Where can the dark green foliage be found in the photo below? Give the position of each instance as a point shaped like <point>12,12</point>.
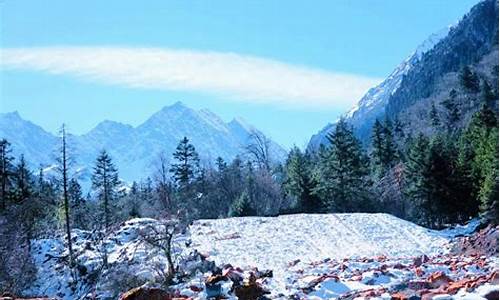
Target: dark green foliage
<point>469,80</point>
<point>242,207</point>
<point>451,108</point>
<point>342,173</point>
<point>78,206</point>
<point>488,95</point>
<point>186,164</point>
<point>105,182</point>
<point>6,172</point>
<point>417,180</point>
<point>434,116</point>
<point>384,150</point>
<point>481,160</point>
<point>299,182</point>
<point>22,181</point>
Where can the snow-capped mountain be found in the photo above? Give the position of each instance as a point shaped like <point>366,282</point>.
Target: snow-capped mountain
<point>134,149</point>
<point>372,105</point>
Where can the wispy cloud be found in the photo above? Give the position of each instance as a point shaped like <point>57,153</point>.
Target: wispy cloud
<point>237,77</point>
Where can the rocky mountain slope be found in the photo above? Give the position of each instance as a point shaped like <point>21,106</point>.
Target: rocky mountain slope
<point>134,149</point>
<point>427,72</point>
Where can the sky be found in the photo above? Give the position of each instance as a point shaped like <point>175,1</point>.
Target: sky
<point>286,67</point>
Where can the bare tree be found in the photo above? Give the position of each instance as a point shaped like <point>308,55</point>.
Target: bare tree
<point>160,236</point>
<point>258,149</point>
<point>162,181</point>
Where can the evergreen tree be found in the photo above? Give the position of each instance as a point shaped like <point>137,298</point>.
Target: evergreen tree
<point>187,164</point>
<point>451,107</point>
<point>417,182</point>
<point>482,134</point>
<point>299,181</point>
<point>434,117</point>
<point>342,177</point>
<point>77,205</point>
<point>64,163</point>
<point>242,207</point>
<point>398,128</point>
<point>469,80</point>
<point>487,158</point>
<point>390,150</point>
<point>377,154</point>
<point>384,150</point>
<point>487,93</point>
<point>6,171</point>
<point>105,182</point>
<point>23,185</point>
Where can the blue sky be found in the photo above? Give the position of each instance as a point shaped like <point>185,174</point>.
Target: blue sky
<point>287,67</point>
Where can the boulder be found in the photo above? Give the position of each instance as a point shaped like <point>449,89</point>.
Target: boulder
<point>146,293</point>
<point>250,290</point>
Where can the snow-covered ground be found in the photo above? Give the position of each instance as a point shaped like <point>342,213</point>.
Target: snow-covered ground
<point>274,242</point>
<point>317,256</point>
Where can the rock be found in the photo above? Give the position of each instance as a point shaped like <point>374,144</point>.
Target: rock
<point>146,293</point>
<point>418,285</point>
<point>250,290</point>
<point>437,279</point>
<point>484,242</point>
<point>492,295</point>
<point>419,260</point>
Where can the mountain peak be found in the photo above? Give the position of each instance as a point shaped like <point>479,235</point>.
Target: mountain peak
<point>177,105</point>
<point>11,115</point>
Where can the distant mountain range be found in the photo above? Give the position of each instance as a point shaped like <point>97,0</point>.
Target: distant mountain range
<point>424,73</point>
<point>134,149</point>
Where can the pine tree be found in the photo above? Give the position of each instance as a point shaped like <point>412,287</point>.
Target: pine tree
<point>451,107</point>
<point>384,150</point>
<point>487,93</point>
<point>342,182</point>
<point>482,134</point>
<point>299,181</point>
<point>417,183</point>
<point>242,207</point>
<point>105,182</point>
<point>133,202</point>
<point>398,128</point>
<point>434,117</point>
<point>187,164</point>
<point>469,80</point>
<point>23,185</point>
<point>390,149</point>
<point>64,162</point>
<point>6,171</point>
<point>77,204</point>
<point>377,154</point>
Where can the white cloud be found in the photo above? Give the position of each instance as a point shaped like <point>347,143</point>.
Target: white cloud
<point>237,77</point>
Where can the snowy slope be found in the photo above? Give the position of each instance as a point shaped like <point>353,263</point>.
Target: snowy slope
<point>134,149</point>
<point>274,242</point>
<point>319,256</point>
<point>372,104</point>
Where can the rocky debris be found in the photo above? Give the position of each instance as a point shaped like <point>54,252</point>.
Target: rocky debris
<point>483,242</point>
<point>146,293</point>
<point>397,278</point>
<point>251,289</point>
<point>231,280</point>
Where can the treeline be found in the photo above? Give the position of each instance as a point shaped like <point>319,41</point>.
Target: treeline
<point>447,177</point>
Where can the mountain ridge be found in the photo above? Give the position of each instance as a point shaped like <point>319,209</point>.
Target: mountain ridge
<point>134,149</point>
